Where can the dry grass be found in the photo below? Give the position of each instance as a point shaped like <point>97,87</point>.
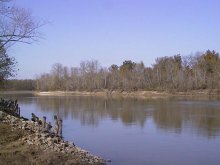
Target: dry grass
<point>8,135</point>
<point>15,152</point>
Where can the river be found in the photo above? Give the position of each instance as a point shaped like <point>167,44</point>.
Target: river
<point>135,131</point>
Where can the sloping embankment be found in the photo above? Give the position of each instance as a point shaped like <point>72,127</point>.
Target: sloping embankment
<point>22,142</point>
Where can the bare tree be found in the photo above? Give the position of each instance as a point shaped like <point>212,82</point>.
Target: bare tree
<point>173,73</point>
<point>16,25</point>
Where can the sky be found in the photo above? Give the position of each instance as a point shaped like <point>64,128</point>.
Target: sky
<point>112,31</point>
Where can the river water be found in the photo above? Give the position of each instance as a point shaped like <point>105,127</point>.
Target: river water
<point>135,131</point>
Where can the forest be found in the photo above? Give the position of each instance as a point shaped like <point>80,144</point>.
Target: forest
<point>169,73</point>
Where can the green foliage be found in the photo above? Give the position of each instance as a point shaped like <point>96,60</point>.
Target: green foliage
<point>113,68</point>
<point>14,84</point>
<point>7,65</point>
<point>209,60</point>
<point>127,66</point>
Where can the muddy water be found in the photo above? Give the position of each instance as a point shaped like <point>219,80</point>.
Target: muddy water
<point>131,131</point>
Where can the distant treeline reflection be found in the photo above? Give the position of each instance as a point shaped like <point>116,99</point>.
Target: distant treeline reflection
<point>200,117</point>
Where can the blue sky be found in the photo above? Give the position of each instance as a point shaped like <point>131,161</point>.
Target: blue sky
<point>112,31</point>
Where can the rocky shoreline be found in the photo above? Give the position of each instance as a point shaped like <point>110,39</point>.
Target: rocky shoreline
<point>34,136</point>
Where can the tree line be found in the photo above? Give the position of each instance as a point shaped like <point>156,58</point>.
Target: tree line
<point>173,73</point>
<point>14,84</point>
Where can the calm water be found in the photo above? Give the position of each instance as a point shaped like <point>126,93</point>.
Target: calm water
<point>132,131</point>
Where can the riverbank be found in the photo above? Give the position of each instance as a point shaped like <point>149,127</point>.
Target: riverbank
<point>134,94</point>
<point>22,142</point>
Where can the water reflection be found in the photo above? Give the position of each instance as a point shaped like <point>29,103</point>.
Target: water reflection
<point>201,117</point>
<point>90,110</point>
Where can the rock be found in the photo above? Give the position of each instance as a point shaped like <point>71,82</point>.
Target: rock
<point>29,142</point>
<point>46,141</point>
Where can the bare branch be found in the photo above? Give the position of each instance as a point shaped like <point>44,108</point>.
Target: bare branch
<point>17,25</point>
